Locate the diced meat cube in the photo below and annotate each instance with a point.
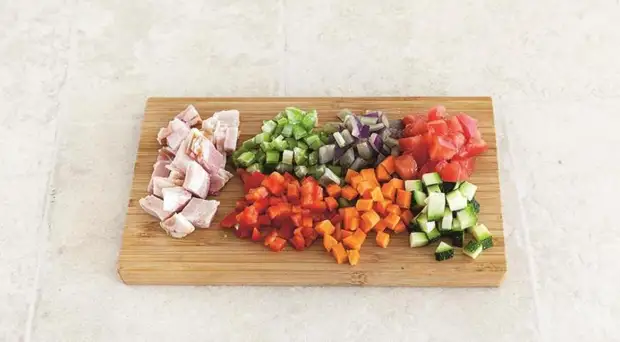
(165, 153)
(175, 198)
(176, 175)
(179, 132)
(229, 118)
(200, 212)
(190, 116)
(163, 133)
(218, 180)
(196, 180)
(181, 159)
(155, 206)
(230, 142)
(219, 138)
(160, 183)
(177, 226)
(204, 152)
(159, 170)
(210, 125)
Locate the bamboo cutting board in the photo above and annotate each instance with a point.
(217, 257)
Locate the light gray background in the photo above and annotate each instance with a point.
(74, 76)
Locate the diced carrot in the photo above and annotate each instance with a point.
(331, 203)
(365, 226)
(345, 234)
(350, 174)
(388, 164)
(349, 213)
(352, 224)
(349, 193)
(371, 218)
(339, 253)
(369, 175)
(363, 205)
(333, 190)
(392, 220)
(356, 180)
(400, 227)
(306, 221)
(366, 195)
(406, 216)
(329, 242)
(380, 226)
(337, 233)
(381, 206)
(393, 209)
(382, 174)
(376, 194)
(364, 186)
(383, 239)
(355, 241)
(325, 227)
(354, 256)
(398, 183)
(403, 198)
(388, 190)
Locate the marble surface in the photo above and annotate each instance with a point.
(74, 76)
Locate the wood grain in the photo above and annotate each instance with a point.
(217, 257)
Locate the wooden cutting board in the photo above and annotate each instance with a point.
(217, 257)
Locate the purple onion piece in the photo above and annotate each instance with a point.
(364, 132)
(376, 142)
(353, 124)
(373, 114)
(338, 152)
(380, 158)
(385, 150)
(358, 164)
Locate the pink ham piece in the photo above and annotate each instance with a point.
(196, 180)
(218, 180)
(190, 116)
(177, 226)
(219, 137)
(228, 118)
(204, 152)
(163, 133)
(155, 206)
(160, 183)
(230, 142)
(165, 153)
(181, 160)
(200, 212)
(175, 198)
(179, 132)
(159, 170)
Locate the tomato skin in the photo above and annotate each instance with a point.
(454, 125)
(458, 140)
(406, 166)
(470, 126)
(416, 147)
(436, 113)
(437, 127)
(419, 125)
(452, 172)
(409, 131)
(442, 148)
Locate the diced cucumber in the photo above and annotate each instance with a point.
(472, 249)
(293, 114)
(265, 146)
(457, 185)
(419, 197)
(433, 188)
(291, 143)
(433, 235)
(446, 221)
(259, 138)
(417, 239)
(313, 158)
(444, 252)
(282, 168)
(272, 157)
(458, 238)
(287, 157)
(481, 233)
(287, 131)
(339, 139)
(431, 178)
(301, 171)
(475, 205)
(299, 132)
(256, 167)
(411, 185)
(310, 120)
(269, 126)
(456, 225)
(456, 200)
(313, 141)
(343, 202)
(248, 144)
(423, 222)
(467, 217)
(246, 159)
(301, 156)
(436, 205)
(468, 190)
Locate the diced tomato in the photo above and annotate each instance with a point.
(469, 124)
(468, 165)
(437, 127)
(409, 131)
(458, 139)
(406, 166)
(454, 125)
(429, 166)
(442, 148)
(453, 172)
(229, 221)
(278, 244)
(474, 147)
(298, 242)
(436, 113)
(419, 126)
(409, 119)
(415, 146)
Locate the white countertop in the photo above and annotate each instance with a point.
(74, 77)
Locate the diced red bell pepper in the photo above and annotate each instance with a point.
(273, 201)
(256, 194)
(292, 192)
(278, 210)
(251, 180)
(229, 221)
(249, 216)
(317, 207)
(256, 235)
(298, 242)
(270, 237)
(296, 218)
(278, 244)
(289, 178)
(261, 205)
(244, 231)
(337, 218)
(240, 205)
(264, 220)
(309, 235)
(274, 183)
(286, 229)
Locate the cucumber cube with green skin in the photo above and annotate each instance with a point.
(458, 238)
(301, 156)
(456, 200)
(301, 171)
(310, 120)
(272, 157)
(411, 185)
(417, 239)
(468, 190)
(456, 225)
(472, 249)
(475, 205)
(269, 126)
(467, 217)
(287, 157)
(436, 205)
(293, 114)
(313, 158)
(287, 131)
(446, 220)
(423, 222)
(444, 252)
(482, 235)
(433, 235)
(431, 178)
(246, 159)
(419, 197)
(433, 188)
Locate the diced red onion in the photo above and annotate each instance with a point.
(376, 142)
(364, 132)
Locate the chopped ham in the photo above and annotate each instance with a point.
(190, 116)
(229, 118)
(196, 180)
(177, 226)
(159, 170)
(160, 183)
(163, 133)
(165, 153)
(219, 137)
(200, 212)
(230, 142)
(218, 180)
(181, 159)
(176, 175)
(179, 132)
(211, 124)
(155, 206)
(175, 198)
(204, 152)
